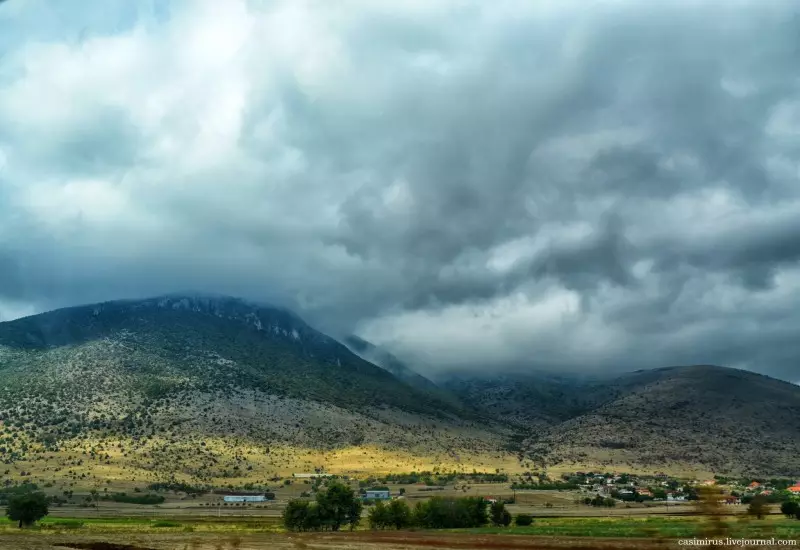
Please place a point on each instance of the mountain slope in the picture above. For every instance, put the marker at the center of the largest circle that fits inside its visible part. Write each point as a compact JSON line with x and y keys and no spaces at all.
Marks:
{"x":173,"y":343}
{"x":392,"y":364}
{"x":529,"y":401}
{"x":200,"y":387}
{"x":703,"y":417}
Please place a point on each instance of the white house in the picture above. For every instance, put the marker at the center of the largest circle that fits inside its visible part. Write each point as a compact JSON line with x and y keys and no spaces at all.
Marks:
{"x":378,"y":495}
{"x":244,"y":498}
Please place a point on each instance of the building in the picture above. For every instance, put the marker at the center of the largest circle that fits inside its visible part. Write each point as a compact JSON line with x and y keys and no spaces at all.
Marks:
{"x":310,"y":476}
{"x":245,"y":498}
{"x":378,"y":495}
{"x":730,"y":500}
{"x":794,"y":489}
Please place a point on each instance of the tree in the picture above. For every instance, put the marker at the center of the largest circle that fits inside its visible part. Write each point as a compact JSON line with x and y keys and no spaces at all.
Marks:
{"x":339,"y":506}
{"x":498,"y":514}
{"x":379,"y":516}
{"x":523,"y":520}
{"x":399,"y":514}
{"x":790,"y":508}
{"x":758,"y":507}
{"x":27,"y":508}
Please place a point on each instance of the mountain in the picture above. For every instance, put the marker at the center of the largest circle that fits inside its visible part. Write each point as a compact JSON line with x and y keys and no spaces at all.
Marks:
{"x":204,"y":387}
{"x":689,"y":418}
{"x":384,"y":359}
{"x":528,"y":401}
{"x":218,"y":391}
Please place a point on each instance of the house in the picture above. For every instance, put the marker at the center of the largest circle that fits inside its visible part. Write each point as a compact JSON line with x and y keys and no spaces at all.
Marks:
{"x":378,"y":495}
{"x":794,"y":489}
{"x":754,"y":485}
{"x":244,"y":498}
{"x":645,"y":492}
{"x":731,"y":500}
{"x":676,"y":498}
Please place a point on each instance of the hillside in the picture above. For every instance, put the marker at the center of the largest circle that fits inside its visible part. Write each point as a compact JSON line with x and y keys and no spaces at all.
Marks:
{"x":382,"y":358}
{"x":530,"y":401}
{"x":219,"y":391}
{"x":212,"y":389}
{"x":697,"y":417}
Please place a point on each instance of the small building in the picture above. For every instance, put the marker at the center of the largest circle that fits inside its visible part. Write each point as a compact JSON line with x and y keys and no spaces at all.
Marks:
{"x":378,"y":495}
{"x":310,"y":476}
{"x":731,"y":500}
{"x":794,"y":489}
{"x":245,"y":498}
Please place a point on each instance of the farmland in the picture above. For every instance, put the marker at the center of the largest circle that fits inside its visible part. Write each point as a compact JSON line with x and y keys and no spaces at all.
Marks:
{"x":252,"y":533}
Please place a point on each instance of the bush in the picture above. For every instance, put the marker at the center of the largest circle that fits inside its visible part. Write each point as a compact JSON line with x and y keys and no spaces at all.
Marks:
{"x":163,"y":523}
{"x":790,"y":508}
{"x":523,"y":520}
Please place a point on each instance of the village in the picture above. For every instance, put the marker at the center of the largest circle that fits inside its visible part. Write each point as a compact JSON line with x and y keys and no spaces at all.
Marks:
{"x":581,"y":489}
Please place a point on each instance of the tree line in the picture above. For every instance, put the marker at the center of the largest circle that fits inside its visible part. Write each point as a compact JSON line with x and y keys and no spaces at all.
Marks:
{"x":339,"y":506}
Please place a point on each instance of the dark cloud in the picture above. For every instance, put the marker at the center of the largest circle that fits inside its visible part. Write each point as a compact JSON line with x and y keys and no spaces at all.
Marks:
{"x":476,"y":185}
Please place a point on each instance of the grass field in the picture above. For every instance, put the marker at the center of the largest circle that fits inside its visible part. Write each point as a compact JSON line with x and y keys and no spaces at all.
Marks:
{"x":261,"y":533}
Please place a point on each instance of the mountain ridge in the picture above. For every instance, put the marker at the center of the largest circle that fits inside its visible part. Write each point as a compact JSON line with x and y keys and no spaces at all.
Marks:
{"x":251,"y":376}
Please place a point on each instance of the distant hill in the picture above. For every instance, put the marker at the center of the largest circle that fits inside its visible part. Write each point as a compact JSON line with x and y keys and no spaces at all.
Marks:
{"x":693,"y":417}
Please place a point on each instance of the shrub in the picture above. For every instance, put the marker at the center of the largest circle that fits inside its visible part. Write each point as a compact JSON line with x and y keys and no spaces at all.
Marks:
{"x":523,"y":520}
{"x":164,"y":523}
{"x":790,"y":508}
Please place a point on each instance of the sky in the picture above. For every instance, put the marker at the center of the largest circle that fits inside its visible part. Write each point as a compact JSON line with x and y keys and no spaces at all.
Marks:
{"x":489,"y":186}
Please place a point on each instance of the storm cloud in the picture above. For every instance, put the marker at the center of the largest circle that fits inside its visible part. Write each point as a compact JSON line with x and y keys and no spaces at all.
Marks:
{"x":475,"y":185}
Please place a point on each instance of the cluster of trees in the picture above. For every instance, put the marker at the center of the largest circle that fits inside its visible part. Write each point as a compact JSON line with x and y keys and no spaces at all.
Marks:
{"x":339,"y":506}
{"x":443,"y":513}
{"x":600,"y":501}
{"x":333,"y":508}
{"x":395,"y":515}
{"x":434,"y":479}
